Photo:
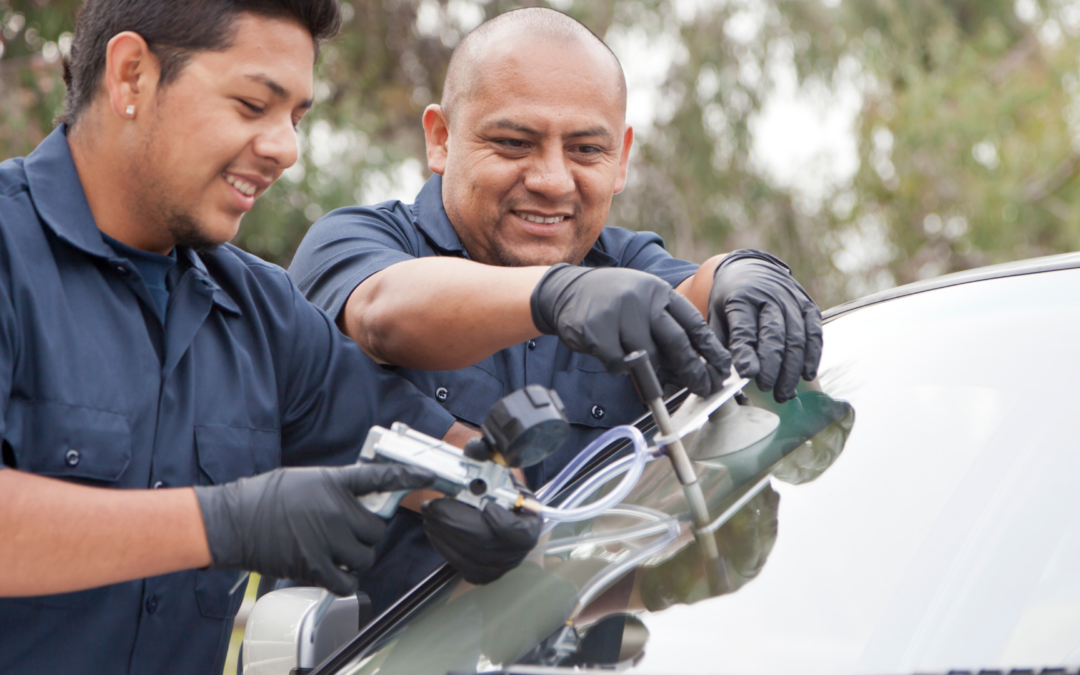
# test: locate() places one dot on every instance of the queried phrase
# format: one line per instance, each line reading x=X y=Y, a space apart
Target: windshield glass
x=936 y=532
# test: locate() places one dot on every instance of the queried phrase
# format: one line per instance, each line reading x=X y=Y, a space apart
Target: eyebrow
x=584 y=133
x=592 y=131
x=278 y=90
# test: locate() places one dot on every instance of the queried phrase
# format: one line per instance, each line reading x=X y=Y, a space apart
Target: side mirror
x=283 y=637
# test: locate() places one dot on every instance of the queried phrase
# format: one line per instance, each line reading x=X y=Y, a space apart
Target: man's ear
x=624 y=159
x=131 y=74
x=437 y=137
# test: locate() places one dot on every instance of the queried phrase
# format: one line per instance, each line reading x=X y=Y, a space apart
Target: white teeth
x=241 y=185
x=541 y=220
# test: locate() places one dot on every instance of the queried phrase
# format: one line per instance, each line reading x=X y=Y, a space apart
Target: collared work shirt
x=349 y=245
x=243 y=376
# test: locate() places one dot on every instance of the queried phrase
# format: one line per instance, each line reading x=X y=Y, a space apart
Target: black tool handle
x=641 y=371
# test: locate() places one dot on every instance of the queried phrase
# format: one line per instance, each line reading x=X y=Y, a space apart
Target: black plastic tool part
x=526 y=426
x=478 y=449
x=644 y=377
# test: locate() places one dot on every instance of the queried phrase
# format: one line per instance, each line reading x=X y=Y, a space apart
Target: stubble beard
x=506 y=256
x=177 y=222
x=495 y=250
x=187 y=232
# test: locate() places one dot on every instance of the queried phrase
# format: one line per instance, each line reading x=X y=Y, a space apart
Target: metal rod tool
x=648 y=387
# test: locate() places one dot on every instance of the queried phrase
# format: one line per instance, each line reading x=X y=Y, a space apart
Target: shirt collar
x=61 y=204
x=598 y=257
x=432 y=220
x=59 y=198
x=148 y=257
x=220 y=297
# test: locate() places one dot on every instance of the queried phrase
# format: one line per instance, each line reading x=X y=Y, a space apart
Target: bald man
x=502 y=273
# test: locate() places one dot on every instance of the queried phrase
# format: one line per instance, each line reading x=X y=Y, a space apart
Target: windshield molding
x=1053 y=263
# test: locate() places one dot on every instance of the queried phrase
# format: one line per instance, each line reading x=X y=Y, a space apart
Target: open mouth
x=540 y=220
x=242 y=186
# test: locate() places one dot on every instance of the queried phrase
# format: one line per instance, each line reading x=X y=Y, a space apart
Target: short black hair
x=173 y=29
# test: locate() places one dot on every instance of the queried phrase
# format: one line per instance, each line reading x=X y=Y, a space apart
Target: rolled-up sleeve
x=346 y=247
x=644 y=251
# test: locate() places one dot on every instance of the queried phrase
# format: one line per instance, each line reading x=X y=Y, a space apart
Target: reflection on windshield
x=574 y=601
x=745 y=541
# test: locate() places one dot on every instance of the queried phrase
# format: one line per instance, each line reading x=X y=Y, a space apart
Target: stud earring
x=130 y=110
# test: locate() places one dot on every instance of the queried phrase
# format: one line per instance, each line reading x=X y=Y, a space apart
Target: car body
x=914 y=512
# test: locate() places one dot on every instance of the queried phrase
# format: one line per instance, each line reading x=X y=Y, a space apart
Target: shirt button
x=72 y=457
x=159 y=484
x=122 y=271
x=532 y=344
x=151 y=604
x=442 y=393
x=598 y=412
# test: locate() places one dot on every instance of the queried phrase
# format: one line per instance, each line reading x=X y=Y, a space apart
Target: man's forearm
x=56 y=537
x=441 y=313
x=696 y=288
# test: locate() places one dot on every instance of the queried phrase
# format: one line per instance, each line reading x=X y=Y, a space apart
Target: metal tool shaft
x=649 y=389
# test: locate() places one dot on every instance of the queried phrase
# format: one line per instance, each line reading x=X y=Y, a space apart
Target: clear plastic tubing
x=633 y=465
x=656 y=523
x=602 y=581
x=630 y=433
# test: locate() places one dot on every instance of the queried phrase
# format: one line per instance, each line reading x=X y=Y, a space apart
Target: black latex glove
x=481 y=545
x=609 y=313
x=301 y=524
x=769 y=322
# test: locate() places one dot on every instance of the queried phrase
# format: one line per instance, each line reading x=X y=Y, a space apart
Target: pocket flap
x=467 y=394
x=69 y=441
x=227 y=453
x=598 y=399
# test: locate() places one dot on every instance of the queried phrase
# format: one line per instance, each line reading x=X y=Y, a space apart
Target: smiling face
x=533 y=153
x=217 y=137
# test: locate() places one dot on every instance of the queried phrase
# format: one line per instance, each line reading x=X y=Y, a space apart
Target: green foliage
x=967 y=136
x=31 y=82
x=967 y=132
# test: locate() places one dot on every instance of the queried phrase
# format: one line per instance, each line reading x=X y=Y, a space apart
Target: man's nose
x=278 y=144
x=550 y=174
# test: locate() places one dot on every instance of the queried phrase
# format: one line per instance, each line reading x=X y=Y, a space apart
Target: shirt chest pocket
x=228 y=453
x=594 y=397
x=467 y=394
x=68 y=441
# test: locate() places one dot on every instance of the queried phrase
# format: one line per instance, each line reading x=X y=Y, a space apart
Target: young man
x=140 y=357
x=503 y=272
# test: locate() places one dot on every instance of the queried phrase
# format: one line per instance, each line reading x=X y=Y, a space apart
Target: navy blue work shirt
x=153 y=268
x=244 y=375
x=349 y=245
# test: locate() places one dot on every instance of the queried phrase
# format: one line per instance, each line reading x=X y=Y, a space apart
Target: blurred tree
x=968 y=136
x=34 y=36
x=967 y=127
